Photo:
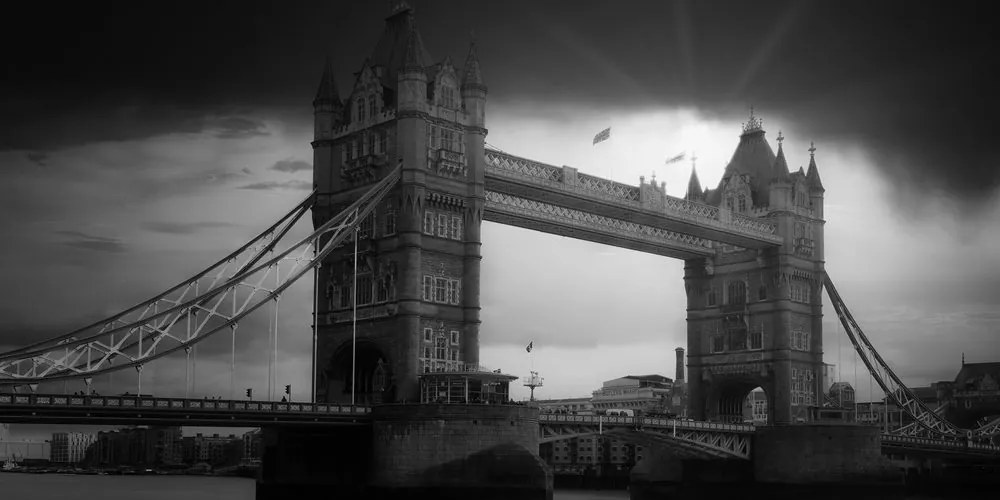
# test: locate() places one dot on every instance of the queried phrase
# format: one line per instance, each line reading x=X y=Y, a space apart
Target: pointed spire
x=780 y=168
x=812 y=176
x=413 y=60
x=472 y=76
x=327 y=91
x=694 y=191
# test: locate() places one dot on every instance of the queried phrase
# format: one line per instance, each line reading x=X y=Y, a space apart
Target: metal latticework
x=927 y=422
x=717 y=439
x=211 y=301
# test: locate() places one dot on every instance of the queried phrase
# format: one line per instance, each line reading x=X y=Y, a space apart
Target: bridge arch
x=729 y=400
x=373 y=377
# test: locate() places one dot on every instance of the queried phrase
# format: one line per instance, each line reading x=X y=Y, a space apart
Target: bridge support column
x=313 y=462
x=822 y=453
x=457 y=451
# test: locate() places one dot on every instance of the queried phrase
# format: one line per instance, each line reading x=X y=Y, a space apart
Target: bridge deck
x=122 y=410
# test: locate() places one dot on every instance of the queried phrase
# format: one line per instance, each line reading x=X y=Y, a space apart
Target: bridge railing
x=177 y=404
x=644 y=421
x=939 y=443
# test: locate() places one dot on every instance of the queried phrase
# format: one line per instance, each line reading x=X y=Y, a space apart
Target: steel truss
x=716 y=439
x=210 y=302
x=926 y=422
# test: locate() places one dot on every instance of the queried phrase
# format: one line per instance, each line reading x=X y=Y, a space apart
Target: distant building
x=645 y=393
x=571 y=406
x=70 y=447
x=215 y=450
x=253 y=446
x=755 y=408
x=22 y=450
x=841 y=394
x=147 y=446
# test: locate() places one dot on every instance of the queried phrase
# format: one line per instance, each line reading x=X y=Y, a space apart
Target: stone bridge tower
x=755 y=318
x=419 y=254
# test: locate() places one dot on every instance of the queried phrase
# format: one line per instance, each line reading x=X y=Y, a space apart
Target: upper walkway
x=563 y=201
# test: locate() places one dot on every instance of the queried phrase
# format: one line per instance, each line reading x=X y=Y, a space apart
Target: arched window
x=361 y=109
x=371 y=105
x=742 y=203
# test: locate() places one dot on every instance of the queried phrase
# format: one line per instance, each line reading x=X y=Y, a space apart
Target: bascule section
x=408 y=291
x=755 y=315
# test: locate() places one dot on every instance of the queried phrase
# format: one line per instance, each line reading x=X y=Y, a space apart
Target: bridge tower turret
x=417 y=287
x=755 y=317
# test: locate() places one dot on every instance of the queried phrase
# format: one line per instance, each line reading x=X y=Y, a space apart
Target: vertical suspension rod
x=316 y=269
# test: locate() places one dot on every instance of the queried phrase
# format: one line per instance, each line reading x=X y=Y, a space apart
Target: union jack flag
x=602 y=135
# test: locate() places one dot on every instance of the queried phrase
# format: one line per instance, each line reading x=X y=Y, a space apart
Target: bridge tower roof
x=327 y=91
x=400 y=44
x=812 y=175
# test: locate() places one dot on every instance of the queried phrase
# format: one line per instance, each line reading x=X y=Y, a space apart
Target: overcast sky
x=139 y=144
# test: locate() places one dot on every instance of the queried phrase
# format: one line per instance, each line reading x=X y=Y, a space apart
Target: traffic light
x=288 y=389
x=249 y=393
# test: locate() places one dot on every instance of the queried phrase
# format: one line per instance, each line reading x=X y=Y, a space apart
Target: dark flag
x=530 y=345
x=602 y=135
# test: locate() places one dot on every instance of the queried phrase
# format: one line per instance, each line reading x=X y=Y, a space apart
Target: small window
x=390 y=221
x=383 y=139
x=428 y=288
x=762 y=292
x=454 y=336
x=711 y=297
x=429 y=223
x=456 y=228
x=345 y=296
x=427 y=334
x=455 y=297
x=718 y=343
x=442 y=225
x=439 y=289
x=371 y=105
x=361 y=109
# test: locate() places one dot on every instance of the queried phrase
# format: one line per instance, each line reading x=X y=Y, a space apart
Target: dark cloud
x=270 y=185
x=37 y=157
x=906 y=80
x=90 y=242
x=234 y=127
x=291 y=166
x=182 y=227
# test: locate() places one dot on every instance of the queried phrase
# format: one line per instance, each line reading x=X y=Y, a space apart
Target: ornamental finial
x=753 y=124
x=812 y=149
x=780 y=138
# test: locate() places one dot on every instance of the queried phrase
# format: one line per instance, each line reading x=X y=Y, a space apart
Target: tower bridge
x=403 y=182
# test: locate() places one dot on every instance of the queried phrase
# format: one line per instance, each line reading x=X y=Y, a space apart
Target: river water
x=17 y=486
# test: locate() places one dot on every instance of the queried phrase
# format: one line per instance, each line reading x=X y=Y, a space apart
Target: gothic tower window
x=736 y=293
x=371 y=105
x=360 y=109
x=742 y=203
x=390 y=219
